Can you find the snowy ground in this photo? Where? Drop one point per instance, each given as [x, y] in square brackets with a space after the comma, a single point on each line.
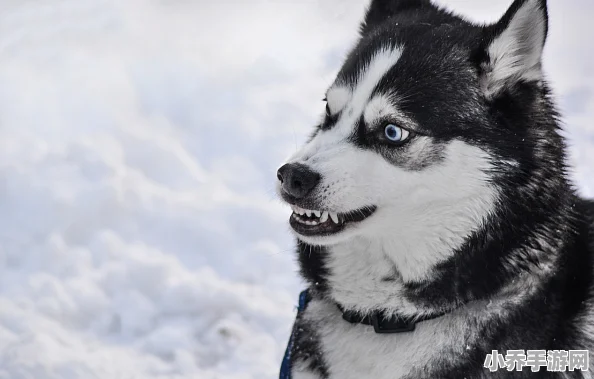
[139, 232]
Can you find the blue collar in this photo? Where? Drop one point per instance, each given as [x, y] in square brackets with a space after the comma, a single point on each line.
[285, 371]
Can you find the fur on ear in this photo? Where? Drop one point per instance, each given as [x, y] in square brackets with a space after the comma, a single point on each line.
[514, 47]
[381, 10]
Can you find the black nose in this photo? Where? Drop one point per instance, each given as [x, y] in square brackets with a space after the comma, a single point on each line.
[297, 179]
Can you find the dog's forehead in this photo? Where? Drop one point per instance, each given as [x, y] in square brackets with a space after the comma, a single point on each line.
[426, 74]
[350, 94]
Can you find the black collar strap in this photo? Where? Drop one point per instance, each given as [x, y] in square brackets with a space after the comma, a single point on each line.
[382, 324]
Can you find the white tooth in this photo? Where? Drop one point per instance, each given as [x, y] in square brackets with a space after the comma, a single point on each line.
[317, 213]
[324, 217]
[300, 211]
[294, 208]
[334, 217]
[308, 212]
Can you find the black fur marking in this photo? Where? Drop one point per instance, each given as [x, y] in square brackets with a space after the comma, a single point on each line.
[329, 121]
[306, 348]
[312, 262]
[415, 11]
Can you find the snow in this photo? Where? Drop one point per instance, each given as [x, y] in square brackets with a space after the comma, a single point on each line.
[140, 236]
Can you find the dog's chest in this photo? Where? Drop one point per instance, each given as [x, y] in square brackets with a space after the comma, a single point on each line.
[356, 351]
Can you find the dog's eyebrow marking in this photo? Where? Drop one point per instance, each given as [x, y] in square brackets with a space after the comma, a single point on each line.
[380, 106]
[337, 98]
[380, 63]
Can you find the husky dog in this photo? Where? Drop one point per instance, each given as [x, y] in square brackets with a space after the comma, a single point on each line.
[433, 212]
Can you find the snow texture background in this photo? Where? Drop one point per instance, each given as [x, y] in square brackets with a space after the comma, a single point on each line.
[140, 236]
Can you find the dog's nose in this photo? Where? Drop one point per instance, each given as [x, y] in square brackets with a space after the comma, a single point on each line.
[297, 179]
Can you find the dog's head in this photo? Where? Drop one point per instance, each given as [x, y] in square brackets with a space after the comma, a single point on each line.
[426, 119]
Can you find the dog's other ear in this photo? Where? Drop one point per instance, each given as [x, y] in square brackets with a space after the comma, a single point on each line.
[512, 48]
[381, 10]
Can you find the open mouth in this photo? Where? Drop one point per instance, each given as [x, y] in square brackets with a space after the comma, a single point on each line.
[322, 223]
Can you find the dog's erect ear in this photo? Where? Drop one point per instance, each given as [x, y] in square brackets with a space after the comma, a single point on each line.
[513, 47]
[381, 10]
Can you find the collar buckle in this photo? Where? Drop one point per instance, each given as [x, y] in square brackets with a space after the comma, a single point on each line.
[392, 325]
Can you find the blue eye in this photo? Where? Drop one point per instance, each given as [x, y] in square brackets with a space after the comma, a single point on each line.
[395, 133]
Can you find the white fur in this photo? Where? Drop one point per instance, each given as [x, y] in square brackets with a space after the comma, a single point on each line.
[516, 53]
[380, 106]
[337, 98]
[354, 351]
[422, 218]
[300, 372]
[421, 215]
